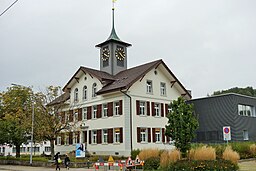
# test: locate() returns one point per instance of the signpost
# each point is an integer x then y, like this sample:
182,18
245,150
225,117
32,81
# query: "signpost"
227,133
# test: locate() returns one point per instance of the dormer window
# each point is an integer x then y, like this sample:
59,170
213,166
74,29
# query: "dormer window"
94,89
76,95
85,93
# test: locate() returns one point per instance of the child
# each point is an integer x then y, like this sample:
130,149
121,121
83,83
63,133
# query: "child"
67,161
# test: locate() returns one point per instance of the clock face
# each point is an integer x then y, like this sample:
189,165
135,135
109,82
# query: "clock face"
120,53
105,53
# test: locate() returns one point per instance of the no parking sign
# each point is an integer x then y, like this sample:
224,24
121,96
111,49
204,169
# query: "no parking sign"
226,133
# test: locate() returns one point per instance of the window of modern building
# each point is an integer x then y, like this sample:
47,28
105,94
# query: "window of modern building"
94,89
143,135
76,95
85,93
94,137
105,136
245,135
94,112
149,86
84,113
142,108
162,89
116,108
245,110
157,109
105,110
117,135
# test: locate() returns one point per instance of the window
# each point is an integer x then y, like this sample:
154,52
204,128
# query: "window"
143,134
142,108
105,110
117,105
47,149
75,116
94,137
58,140
66,117
66,142
245,110
105,136
162,89
158,134
117,135
157,109
85,93
75,136
149,87
94,89
84,113
245,135
76,95
94,112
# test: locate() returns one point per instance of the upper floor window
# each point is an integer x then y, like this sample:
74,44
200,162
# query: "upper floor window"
158,134
94,89
105,110
162,89
117,106
105,136
58,140
84,113
143,134
157,109
76,95
149,86
75,116
94,137
85,93
117,135
142,108
245,110
94,112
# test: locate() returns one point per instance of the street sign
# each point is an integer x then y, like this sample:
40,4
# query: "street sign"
226,133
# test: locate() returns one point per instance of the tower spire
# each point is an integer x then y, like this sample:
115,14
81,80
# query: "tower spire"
113,34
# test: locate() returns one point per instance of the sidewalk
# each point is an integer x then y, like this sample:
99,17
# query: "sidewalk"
29,168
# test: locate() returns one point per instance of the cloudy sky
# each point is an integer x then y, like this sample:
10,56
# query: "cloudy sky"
208,44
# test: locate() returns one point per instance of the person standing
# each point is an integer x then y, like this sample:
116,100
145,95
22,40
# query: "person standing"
57,160
67,162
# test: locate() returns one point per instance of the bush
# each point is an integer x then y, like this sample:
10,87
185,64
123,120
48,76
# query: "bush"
148,153
231,155
253,150
152,163
243,148
220,165
134,153
202,153
168,157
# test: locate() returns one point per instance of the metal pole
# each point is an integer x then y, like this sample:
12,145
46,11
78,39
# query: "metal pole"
32,132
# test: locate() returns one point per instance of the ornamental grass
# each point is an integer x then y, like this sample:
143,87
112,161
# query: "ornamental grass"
253,150
148,153
202,153
169,156
230,155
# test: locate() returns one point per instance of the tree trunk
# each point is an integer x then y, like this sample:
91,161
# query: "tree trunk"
52,149
17,150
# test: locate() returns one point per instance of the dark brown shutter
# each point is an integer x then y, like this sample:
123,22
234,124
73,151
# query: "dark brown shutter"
138,107
153,109
99,136
99,111
154,134
138,134
162,109
163,135
148,108
90,137
70,138
120,107
62,139
121,135
110,135
149,135
55,141
110,109
85,136
166,110
71,116
168,139
80,114
89,112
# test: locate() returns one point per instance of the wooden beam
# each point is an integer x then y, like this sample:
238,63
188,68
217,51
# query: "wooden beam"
142,78
77,79
172,83
184,94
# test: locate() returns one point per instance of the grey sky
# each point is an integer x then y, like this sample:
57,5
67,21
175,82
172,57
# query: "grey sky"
208,44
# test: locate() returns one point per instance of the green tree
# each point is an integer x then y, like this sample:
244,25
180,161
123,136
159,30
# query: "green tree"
15,120
182,124
248,91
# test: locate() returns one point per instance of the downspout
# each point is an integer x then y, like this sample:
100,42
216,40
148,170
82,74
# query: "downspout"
130,114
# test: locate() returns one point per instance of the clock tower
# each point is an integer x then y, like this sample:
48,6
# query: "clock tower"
113,52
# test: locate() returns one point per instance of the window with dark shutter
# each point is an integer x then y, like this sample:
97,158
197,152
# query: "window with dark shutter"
163,135
99,108
120,107
162,110
99,137
138,107
90,137
153,109
79,114
121,135
89,112
154,134
110,109
110,135
149,135
138,134
148,108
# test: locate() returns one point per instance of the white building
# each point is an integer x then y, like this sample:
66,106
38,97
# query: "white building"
115,109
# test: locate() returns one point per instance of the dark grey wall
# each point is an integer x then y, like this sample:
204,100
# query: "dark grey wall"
218,111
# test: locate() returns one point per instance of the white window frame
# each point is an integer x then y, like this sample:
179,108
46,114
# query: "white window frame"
157,109
143,135
105,110
104,136
94,112
85,93
142,108
58,140
158,135
94,90
94,137
75,116
149,84
76,95
74,138
246,110
117,135
84,113
116,108
66,142
162,89
245,135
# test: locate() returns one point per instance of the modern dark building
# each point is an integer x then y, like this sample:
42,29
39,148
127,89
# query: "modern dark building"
216,112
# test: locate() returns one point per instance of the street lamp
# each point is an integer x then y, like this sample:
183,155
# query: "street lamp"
32,125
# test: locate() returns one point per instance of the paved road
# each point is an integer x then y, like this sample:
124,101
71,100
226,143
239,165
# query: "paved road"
29,168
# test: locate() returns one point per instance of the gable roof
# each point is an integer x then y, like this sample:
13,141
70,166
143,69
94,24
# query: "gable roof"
124,79
61,99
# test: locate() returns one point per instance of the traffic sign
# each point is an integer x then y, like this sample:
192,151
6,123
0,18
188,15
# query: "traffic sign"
226,133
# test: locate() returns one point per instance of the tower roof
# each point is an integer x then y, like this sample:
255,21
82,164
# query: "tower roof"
113,36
